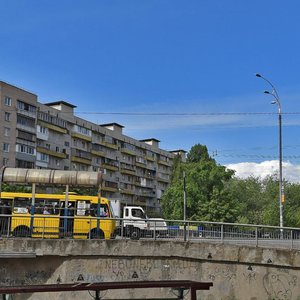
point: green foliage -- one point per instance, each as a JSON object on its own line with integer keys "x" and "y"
{"x": 15, "y": 188}
{"x": 208, "y": 197}
{"x": 198, "y": 153}
{"x": 214, "y": 194}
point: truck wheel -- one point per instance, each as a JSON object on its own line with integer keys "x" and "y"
{"x": 135, "y": 234}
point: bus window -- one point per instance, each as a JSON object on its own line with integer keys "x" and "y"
{"x": 104, "y": 212}
{"x": 83, "y": 208}
{"x": 5, "y": 206}
{"x": 22, "y": 205}
{"x": 46, "y": 206}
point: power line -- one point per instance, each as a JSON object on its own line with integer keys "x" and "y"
{"x": 185, "y": 113}
{"x": 169, "y": 113}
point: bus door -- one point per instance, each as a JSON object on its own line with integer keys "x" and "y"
{"x": 46, "y": 218}
{"x": 66, "y": 223}
{"x": 20, "y": 220}
{"x": 104, "y": 224}
{"x": 83, "y": 219}
{"x": 5, "y": 218}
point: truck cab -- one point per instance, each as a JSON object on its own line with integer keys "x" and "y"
{"x": 134, "y": 221}
{"x": 135, "y": 224}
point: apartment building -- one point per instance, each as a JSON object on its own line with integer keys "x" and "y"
{"x": 50, "y": 136}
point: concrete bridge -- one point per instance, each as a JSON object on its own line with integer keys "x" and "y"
{"x": 237, "y": 272}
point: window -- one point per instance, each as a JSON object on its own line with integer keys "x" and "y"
{"x": 25, "y": 135}
{"x": 6, "y": 131}
{"x": 43, "y": 157}
{"x": 7, "y": 101}
{"x": 82, "y": 130}
{"x": 22, "y": 205}
{"x": 7, "y": 116}
{"x": 52, "y": 119}
{"x": 6, "y": 147}
{"x": 24, "y": 121}
{"x": 24, "y": 164}
{"x": 25, "y": 149}
{"x": 25, "y": 106}
{"x": 42, "y": 129}
{"x": 138, "y": 213}
{"x": 5, "y": 161}
{"x": 47, "y": 206}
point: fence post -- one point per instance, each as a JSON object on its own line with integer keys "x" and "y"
{"x": 222, "y": 233}
{"x": 256, "y": 236}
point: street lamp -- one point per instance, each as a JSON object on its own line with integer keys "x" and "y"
{"x": 274, "y": 94}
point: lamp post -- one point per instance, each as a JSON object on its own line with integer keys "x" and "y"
{"x": 281, "y": 187}
{"x": 184, "y": 197}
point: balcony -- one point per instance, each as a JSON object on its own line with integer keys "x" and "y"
{"x": 109, "y": 186}
{"x": 137, "y": 182}
{"x": 98, "y": 153}
{"x": 164, "y": 163}
{"x": 128, "y": 151}
{"x": 127, "y": 191}
{"x": 52, "y": 127}
{"x": 127, "y": 169}
{"x": 51, "y": 152}
{"x": 163, "y": 178}
{"x": 108, "y": 145}
{"x": 128, "y": 172}
{"x": 27, "y": 113}
{"x": 42, "y": 136}
{"x": 146, "y": 193}
{"x": 109, "y": 166}
{"x": 26, "y": 128}
{"x": 81, "y": 160}
{"x": 41, "y": 164}
{"x": 150, "y": 158}
{"x": 81, "y": 136}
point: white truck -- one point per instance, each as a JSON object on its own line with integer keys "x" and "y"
{"x": 136, "y": 224}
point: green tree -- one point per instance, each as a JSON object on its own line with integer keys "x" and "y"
{"x": 249, "y": 199}
{"x": 291, "y": 208}
{"x": 213, "y": 194}
{"x": 208, "y": 195}
{"x": 5, "y": 187}
{"x": 198, "y": 153}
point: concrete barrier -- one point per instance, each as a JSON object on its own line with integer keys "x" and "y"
{"x": 236, "y": 272}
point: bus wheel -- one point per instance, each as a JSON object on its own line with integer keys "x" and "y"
{"x": 96, "y": 235}
{"x": 21, "y": 231}
{"x": 135, "y": 234}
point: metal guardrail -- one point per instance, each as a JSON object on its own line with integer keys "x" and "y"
{"x": 175, "y": 230}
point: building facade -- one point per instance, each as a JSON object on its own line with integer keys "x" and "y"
{"x": 50, "y": 136}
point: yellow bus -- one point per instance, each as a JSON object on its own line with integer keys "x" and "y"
{"x": 56, "y": 216}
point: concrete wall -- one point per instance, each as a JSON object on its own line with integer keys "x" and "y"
{"x": 236, "y": 272}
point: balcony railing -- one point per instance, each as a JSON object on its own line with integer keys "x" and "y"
{"x": 51, "y": 152}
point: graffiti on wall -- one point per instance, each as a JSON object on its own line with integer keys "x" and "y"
{"x": 223, "y": 273}
{"x": 280, "y": 285}
{"x": 131, "y": 269}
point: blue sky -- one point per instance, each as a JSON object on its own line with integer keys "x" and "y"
{"x": 197, "y": 58}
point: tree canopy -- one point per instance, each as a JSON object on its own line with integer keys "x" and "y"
{"x": 208, "y": 197}
{"x": 214, "y": 194}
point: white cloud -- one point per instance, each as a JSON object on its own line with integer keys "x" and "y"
{"x": 291, "y": 172}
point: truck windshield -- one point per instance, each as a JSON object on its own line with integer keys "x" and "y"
{"x": 138, "y": 213}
